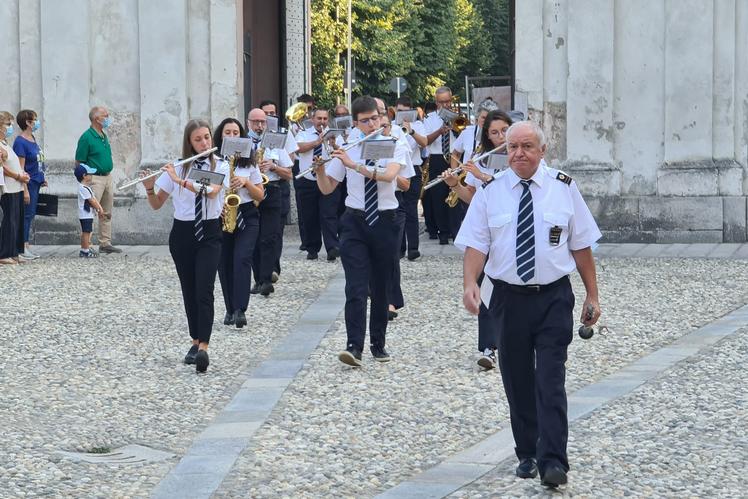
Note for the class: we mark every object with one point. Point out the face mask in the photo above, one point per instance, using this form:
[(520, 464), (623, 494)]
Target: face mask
[(9, 131), (106, 123), (37, 125), (253, 134)]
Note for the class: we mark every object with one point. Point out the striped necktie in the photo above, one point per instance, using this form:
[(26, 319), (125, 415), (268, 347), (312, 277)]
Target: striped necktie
[(525, 235), (199, 234), (371, 203), (445, 144), (317, 149)]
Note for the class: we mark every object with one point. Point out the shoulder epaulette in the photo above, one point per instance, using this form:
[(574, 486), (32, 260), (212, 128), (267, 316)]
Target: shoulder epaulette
[(564, 178)]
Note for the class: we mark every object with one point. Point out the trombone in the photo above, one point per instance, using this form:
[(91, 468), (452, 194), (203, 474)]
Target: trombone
[(461, 166), (296, 113), (158, 172), (353, 144)]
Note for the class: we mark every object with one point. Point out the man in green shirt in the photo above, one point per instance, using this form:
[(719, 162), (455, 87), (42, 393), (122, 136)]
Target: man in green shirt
[(94, 150)]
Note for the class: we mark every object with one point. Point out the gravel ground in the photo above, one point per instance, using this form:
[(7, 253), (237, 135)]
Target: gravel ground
[(92, 358), (381, 424), (681, 435)]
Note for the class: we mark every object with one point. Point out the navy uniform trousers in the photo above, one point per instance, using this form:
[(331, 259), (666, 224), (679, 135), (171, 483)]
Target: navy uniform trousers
[(488, 329), (296, 182), (266, 251), (409, 204), (395, 294), (434, 199), (197, 263), (368, 255), (536, 332), (235, 270), (285, 189), (320, 215)]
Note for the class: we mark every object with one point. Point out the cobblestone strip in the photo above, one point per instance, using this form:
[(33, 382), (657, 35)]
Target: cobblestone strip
[(469, 465), (208, 461)]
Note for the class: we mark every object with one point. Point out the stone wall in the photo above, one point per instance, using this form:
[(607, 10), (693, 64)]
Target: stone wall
[(645, 104), (153, 64)]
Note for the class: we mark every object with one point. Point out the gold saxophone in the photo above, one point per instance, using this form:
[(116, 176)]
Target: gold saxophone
[(452, 198), (231, 202), (259, 158)]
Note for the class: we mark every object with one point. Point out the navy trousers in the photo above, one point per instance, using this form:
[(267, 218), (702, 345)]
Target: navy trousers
[(438, 209), (320, 215), (235, 270), (266, 251), (368, 254), (536, 332), (410, 206)]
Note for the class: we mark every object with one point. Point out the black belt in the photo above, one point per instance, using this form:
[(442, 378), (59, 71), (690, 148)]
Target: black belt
[(274, 183), (529, 289), (362, 213)]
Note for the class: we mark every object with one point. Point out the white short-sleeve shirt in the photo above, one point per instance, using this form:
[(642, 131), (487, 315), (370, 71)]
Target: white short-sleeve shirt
[(281, 159), (490, 225), (467, 142), (184, 199), (432, 123), (306, 158), (84, 193), (386, 199), (254, 176)]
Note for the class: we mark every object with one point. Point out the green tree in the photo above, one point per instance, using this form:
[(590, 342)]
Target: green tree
[(329, 39)]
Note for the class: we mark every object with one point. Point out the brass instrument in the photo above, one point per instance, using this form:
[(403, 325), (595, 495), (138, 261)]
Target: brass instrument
[(232, 201), (461, 166), (424, 177), (351, 145), (259, 157), (296, 113), (452, 198)]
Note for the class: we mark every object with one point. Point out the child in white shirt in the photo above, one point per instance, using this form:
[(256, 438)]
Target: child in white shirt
[(87, 204)]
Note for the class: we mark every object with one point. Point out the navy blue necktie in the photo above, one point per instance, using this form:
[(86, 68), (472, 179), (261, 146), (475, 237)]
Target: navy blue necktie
[(445, 144), (371, 200), (525, 235)]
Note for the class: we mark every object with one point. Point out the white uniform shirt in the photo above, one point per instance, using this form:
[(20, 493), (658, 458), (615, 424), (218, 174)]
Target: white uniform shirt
[(415, 150), (281, 159), (402, 138), (432, 123), (84, 193), (291, 145), (253, 174), (184, 199), (471, 180), (467, 142), (306, 158), (490, 226), (386, 199), (12, 186)]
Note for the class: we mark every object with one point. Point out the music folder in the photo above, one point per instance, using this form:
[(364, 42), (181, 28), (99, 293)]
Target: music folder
[(333, 132), (344, 122), (272, 123), (376, 149), (274, 140), (496, 161), (236, 145), (205, 177), (403, 116)]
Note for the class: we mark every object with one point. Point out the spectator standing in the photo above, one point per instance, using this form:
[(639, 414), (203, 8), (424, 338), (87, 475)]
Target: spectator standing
[(31, 158), (15, 192), (95, 151), (87, 205)]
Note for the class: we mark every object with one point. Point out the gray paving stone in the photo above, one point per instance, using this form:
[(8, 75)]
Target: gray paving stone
[(626, 250), (265, 383), (190, 486), (652, 250), (699, 250), (218, 446), (205, 464), (741, 253), (258, 399), (278, 369), (724, 250), (229, 430), (453, 473), (675, 249), (417, 490)]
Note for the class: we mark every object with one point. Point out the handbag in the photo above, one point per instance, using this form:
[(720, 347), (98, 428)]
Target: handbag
[(46, 206)]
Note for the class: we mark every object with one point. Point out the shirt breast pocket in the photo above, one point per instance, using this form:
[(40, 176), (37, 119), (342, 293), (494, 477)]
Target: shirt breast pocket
[(555, 229), (499, 224)]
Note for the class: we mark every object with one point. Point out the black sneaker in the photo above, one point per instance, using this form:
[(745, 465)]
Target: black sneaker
[(379, 354), (433, 236), (553, 477), (201, 361), (241, 319), (527, 468), (488, 360), (228, 319), (255, 289), (190, 357), (443, 240), (391, 315), (333, 254), (311, 255), (413, 254), (266, 288), (350, 356)]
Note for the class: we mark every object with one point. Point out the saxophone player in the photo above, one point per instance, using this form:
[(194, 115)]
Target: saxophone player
[(235, 269)]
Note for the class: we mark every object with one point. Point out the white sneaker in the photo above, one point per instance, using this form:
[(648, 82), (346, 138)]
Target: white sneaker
[(27, 255), (488, 359)]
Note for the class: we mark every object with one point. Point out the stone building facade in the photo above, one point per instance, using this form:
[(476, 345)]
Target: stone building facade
[(645, 104), (154, 65)]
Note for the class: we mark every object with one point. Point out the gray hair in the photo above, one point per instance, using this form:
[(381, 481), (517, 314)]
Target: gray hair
[(94, 112), (532, 125), (487, 105), (443, 90)]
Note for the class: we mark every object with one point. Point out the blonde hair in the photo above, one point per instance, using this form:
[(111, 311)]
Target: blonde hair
[(5, 117)]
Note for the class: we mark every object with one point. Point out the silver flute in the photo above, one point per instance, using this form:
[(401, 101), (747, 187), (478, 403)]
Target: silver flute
[(459, 169), (345, 148), (160, 171)]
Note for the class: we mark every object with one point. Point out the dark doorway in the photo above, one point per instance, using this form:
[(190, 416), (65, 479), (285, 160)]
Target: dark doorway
[(264, 52)]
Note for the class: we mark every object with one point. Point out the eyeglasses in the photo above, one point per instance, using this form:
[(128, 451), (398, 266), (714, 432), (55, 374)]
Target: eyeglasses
[(497, 133), (258, 122), (373, 119), (386, 126)]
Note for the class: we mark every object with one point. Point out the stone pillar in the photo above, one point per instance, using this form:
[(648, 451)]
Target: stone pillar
[(295, 40), (640, 97), (198, 55), (741, 84), (66, 75), (29, 32), (224, 60), (163, 78), (555, 72), (10, 97), (529, 52)]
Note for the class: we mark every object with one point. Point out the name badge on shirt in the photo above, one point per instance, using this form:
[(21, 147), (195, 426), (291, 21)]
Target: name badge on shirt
[(554, 235)]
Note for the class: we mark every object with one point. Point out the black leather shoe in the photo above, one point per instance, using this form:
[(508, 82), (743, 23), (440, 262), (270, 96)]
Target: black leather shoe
[(109, 249), (433, 236), (553, 477), (379, 354), (391, 314), (443, 240), (333, 254), (255, 289), (412, 255), (241, 319), (527, 468), (228, 319), (302, 247), (266, 289), (190, 357), (311, 255), (350, 356), (201, 361)]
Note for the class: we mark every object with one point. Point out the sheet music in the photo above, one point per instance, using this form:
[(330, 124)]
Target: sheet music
[(272, 123), (233, 145), (378, 149), (403, 116), (343, 122), (333, 132), (205, 177), (496, 161), (274, 140)]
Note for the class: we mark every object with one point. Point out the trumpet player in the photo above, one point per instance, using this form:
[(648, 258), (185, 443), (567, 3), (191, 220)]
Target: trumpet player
[(238, 245), (415, 136), (319, 211), (493, 134), (369, 233), (195, 238)]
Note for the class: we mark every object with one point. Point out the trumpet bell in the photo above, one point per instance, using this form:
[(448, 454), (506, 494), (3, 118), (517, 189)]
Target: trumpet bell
[(460, 123)]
